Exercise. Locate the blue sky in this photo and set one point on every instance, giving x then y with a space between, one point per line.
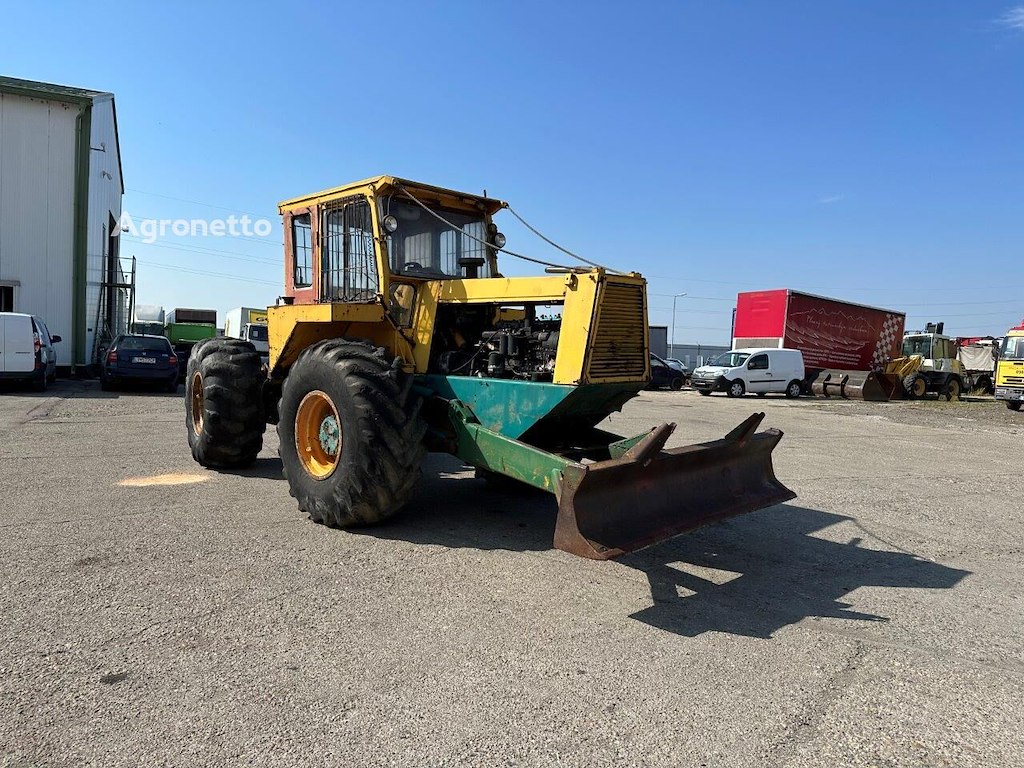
871 151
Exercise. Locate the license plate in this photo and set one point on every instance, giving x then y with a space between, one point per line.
143 359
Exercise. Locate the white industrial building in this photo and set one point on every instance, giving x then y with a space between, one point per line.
60 204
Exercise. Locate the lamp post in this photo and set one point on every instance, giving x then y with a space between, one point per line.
672 339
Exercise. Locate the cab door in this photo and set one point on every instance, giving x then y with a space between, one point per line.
759 375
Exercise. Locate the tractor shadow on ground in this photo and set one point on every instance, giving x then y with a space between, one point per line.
755 574
265 467
749 576
452 508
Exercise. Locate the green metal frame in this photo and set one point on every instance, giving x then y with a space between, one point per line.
493 451
513 407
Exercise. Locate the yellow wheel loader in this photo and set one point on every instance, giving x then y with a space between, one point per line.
930 364
396 334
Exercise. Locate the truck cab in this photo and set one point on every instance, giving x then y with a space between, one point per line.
1010 369
256 334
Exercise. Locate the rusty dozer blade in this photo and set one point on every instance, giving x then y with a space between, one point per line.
608 508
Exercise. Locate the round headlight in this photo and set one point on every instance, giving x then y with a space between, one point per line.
498 239
390 223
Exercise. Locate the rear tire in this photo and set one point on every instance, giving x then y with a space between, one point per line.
351 439
223 412
953 388
736 389
794 389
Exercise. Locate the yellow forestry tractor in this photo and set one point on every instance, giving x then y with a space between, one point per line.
396 334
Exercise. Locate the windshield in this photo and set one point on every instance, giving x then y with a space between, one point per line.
917 345
422 245
1012 348
140 343
729 359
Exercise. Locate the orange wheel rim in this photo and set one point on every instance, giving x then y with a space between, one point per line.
197 402
318 435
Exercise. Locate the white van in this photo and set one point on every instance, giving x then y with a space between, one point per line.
26 349
752 370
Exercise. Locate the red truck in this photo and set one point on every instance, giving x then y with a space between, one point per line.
831 334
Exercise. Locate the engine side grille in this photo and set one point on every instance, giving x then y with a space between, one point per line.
618 344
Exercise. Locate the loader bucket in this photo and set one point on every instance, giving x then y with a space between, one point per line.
608 508
858 385
878 387
831 384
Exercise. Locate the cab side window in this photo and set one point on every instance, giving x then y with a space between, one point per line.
302 246
758 363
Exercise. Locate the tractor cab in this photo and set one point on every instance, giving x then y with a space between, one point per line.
367 239
929 344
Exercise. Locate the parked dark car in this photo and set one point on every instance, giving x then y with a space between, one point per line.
140 358
664 375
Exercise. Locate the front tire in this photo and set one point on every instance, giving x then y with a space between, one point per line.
675 384
223 412
351 439
736 389
704 392
915 386
1013 405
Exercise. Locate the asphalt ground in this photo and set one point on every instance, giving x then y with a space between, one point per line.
874 621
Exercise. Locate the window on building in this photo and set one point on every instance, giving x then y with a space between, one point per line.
6 298
302 250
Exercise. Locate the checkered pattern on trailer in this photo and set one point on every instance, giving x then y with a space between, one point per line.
891 331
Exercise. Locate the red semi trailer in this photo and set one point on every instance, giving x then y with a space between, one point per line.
831 334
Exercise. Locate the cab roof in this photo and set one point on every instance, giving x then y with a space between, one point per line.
384 184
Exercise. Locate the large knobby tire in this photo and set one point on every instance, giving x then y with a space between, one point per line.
223 412
351 439
915 386
954 387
